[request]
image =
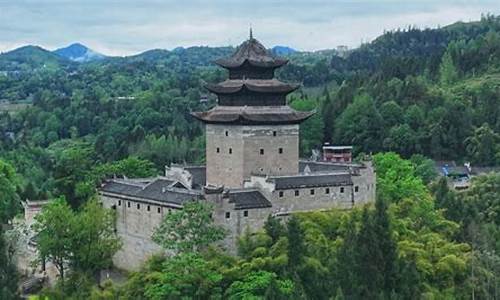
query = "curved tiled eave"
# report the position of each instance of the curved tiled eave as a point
(251, 85)
(233, 64)
(253, 115)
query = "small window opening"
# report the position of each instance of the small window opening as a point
(149, 208)
(245, 213)
(128, 204)
(281, 194)
(356, 189)
(261, 151)
(227, 133)
(280, 150)
(230, 150)
(312, 191)
(119, 202)
(159, 210)
(228, 215)
(218, 150)
(297, 193)
(274, 133)
(327, 191)
(341, 189)
(138, 206)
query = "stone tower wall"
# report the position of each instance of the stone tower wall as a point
(239, 155)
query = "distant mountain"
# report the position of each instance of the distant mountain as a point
(29, 58)
(79, 53)
(282, 50)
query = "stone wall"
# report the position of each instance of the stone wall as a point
(236, 222)
(337, 197)
(236, 152)
(135, 226)
(366, 183)
(362, 191)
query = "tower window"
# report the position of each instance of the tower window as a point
(245, 213)
(280, 150)
(218, 150)
(128, 204)
(312, 192)
(297, 193)
(281, 194)
(342, 189)
(327, 191)
(356, 189)
(228, 215)
(138, 206)
(119, 202)
(274, 133)
(149, 208)
(227, 133)
(159, 210)
(261, 151)
(230, 150)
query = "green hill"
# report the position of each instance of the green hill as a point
(29, 58)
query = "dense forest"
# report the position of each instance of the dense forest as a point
(410, 92)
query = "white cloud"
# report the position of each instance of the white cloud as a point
(128, 27)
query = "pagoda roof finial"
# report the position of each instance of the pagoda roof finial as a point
(251, 33)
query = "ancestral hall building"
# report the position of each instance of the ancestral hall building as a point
(252, 164)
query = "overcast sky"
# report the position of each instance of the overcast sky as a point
(124, 27)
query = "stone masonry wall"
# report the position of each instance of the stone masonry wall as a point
(366, 183)
(235, 152)
(338, 197)
(135, 226)
(236, 222)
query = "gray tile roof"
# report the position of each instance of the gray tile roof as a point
(199, 175)
(158, 190)
(317, 166)
(312, 180)
(253, 115)
(248, 199)
(254, 53)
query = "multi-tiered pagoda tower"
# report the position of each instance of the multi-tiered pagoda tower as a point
(252, 130)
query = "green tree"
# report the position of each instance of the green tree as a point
(184, 276)
(396, 178)
(274, 228)
(296, 247)
(190, 229)
(345, 272)
(9, 187)
(260, 285)
(391, 113)
(387, 261)
(448, 72)
(360, 124)
(311, 131)
(402, 139)
(94, 239)
(483, 147)
(8, 272)
(73, 163)
(369, 258)
(424, 168)
(55, 236)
